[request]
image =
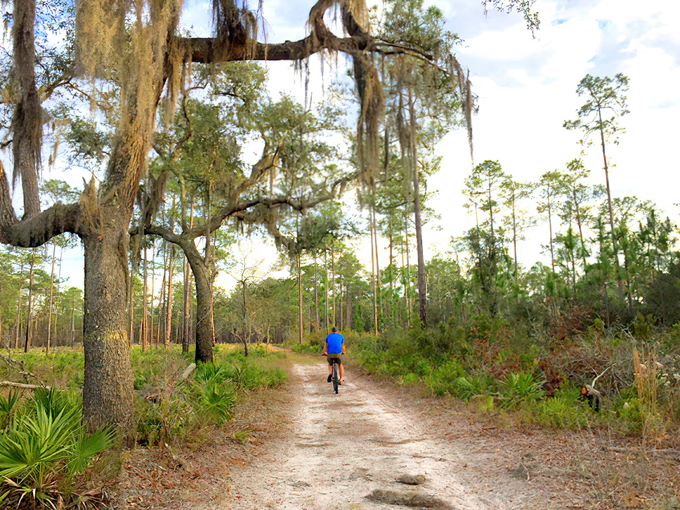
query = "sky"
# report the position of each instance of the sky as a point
(526, 88)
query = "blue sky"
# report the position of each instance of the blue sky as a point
(527, 88)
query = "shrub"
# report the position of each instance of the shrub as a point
(217, 402)
(562, 412)
(520, 387)
(466, 387)
(45, 447)
(8, 408)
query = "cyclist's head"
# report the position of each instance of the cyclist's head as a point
(334, 330)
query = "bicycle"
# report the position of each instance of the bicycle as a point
(334, 378)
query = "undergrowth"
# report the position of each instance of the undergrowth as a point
(49, 460)
(502, 368)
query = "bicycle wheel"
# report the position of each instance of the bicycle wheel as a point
(335, 377)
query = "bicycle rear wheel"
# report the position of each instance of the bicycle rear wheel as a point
(335, 377)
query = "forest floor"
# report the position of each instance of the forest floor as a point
(377, 446)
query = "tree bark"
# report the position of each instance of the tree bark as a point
(27, 344)
(316, 293)
(205, 326)
(73, 321)
(168, 313)
(349, 307)
(186, 318)
(374, 283)
(153, 291)
(325, 266)
(422, 291)
(611, 212)
(27, 120)
(17, 330)
(333, 281)
(49, 313)
(107, 386)
(300, 318)
(143, 324)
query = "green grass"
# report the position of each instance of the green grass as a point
(44, 450)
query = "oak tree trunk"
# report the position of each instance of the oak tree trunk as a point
(205, 326)
(108, 381)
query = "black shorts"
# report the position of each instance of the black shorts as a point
(335, 357)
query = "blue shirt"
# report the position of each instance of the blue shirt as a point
(334, 343)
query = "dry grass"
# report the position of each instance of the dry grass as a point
(646, 381)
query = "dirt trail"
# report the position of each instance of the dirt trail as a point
(301, 447)
(347, 451)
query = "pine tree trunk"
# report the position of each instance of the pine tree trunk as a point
(325, 265)
(514, 237)
(407, 280)
(422, 292)
(73, 321)
(49, 312)
(168, 312)
(27, 344)
(143, 325)
(580, 231)
(378, 275)
(333, 281)
(349, 307)
(552, 253)
(316, 293)
(373, 277)
(186, 316)
(153, 290)
(340, 299)
(390, 311)
(185, 306)
(131, 306)
(245, 318)
(17, 329)
(162, 300)
(611, 212)
(300, 318)
(59, 297)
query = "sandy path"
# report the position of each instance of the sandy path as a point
(342, 448)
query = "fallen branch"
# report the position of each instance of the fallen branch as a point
(23, 386)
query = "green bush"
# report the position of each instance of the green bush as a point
(520, 387)
(45, 447)
(8, 408)
(466, 387)
(217, 402)
(562, 412)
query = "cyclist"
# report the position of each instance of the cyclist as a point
(335, 346)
